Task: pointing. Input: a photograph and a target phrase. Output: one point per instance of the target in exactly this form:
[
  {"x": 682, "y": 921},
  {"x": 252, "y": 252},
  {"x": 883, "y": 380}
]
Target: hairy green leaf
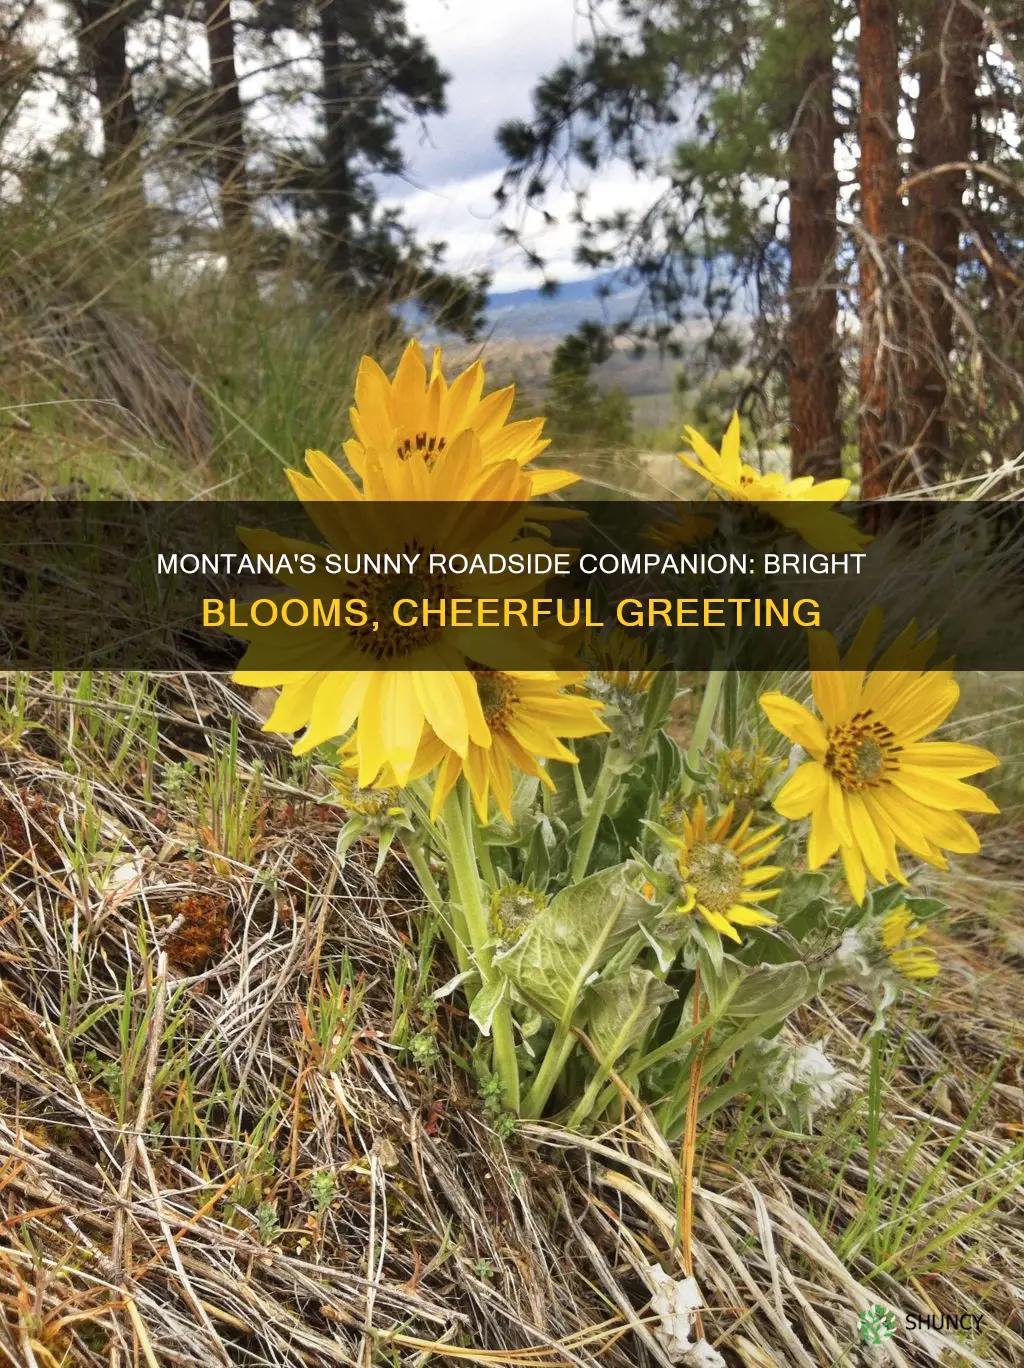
[
  {"x": 923, "y": 908},
  {"x": 797, "y": 892},
  {"x": 770, "y": 989},
  {"x": 487, "y": 1002},
  {"x": 572, "y": 939},
  {"x": 621, "y": 1010}
]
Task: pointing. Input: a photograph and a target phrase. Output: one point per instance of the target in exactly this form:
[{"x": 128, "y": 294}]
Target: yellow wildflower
[
  {"x": 723, "y": 875},
  {"x": 871, "y": 782}
]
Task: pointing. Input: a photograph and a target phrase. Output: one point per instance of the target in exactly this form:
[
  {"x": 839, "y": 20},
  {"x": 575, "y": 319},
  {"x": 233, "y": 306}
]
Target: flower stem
[
  {"x": 684, "y": 1211},
  {"x": 544, "y": 1080},
  {"x": 483, "y": 854},
  {"x": 731, "y": 708},
  {"x": 591, "y": 822},
  {"x": 450, "y": 921},
  {"x": 459, "y": 822},
  {"x": 705, "y": 720}
]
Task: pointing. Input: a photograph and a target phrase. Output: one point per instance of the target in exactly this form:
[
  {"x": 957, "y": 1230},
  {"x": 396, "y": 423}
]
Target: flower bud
[
  {"x": 743, "y": 774},
  {"x": 377, "y": 806},
  {"x": 513, "y": 908}
]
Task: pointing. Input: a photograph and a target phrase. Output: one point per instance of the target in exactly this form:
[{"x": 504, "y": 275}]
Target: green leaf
[
  {"x": 502, "y": 832},
  {"x": 446, "y": 989},
  {"x": 718, "y": 981},
  {"x": 665, "y": 937},
  {"x": 771, "y": 989},
  {"x": 668, "y": 764},
  {"x": 813, "y": 916},
  {"x": 622, "y": 760},
  {"x": 609, "y": 846},
  {"x": 882, "y": 900},
  {"x": 487, "y": 1002},
  {"x": 347, "y": 836},
  {"x": 923, "y": 908},
  {"x": 709, "y": 944},
  {"x": 386, "y": 840},
  {"x": 764, "y": 945},
  {"x": 698, "y": 776},
  {"x": 664, "y": 834},
  {"x": 565, "y": 801},
  {"x": 660, "y": 698},
  {"x": 627, "y": 954},
  {"x": 622, "y": 1009},
  {"x": 797, "y": 892},
  {"x": 537, "y": 858},
  {"x": 572, "y": 939}
]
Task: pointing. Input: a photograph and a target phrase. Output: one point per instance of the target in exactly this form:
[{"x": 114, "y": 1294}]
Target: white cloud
[
  {"x": 462, "y": 213},
  {"x": 495, "y": 54}
]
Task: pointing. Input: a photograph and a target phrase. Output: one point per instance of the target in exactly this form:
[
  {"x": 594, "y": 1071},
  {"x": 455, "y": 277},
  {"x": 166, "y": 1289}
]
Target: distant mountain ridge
[
  {"x": 533, "y": 314},
  {"x": 525, "y": 315},
  {"x": 567, "y": 290}
]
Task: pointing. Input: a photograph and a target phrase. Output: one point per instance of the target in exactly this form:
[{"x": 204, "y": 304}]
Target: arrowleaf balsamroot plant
[{"x": 623, "y": 917}]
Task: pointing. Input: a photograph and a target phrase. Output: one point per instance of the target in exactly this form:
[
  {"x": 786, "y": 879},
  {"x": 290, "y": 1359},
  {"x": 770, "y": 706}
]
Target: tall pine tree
[
  {"x": 374, "y": 75},
  {"x": 752, "y": 103},
  {"x": 793, "y": 192},
  {"x": 879, "y": 211},
  {"x": 226, "y": 119},
  {"x": 815, "y": 432},
  {"x": 947, "y": 69}
]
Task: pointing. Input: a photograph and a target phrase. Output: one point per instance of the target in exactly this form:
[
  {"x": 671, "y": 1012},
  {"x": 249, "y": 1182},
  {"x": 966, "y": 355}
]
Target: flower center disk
[
  {"x": 421, "y": 444},
  {"x": 861, "y": 752},
  {"x": 381, "y": 594},
  {"x": 716, "y": 875},
  {"x": 367, "y": 802},
  {"x": 497, "y": 697}
]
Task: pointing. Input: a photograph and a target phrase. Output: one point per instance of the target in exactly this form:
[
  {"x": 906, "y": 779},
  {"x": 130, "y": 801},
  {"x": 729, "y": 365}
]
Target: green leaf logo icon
[{"x": 877, "y": 1324}]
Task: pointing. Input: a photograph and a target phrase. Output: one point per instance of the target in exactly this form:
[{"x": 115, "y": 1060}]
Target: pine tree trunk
[
  {"x": 337, "y": 190},
  {"x": 103, "y": 39},
  {"x": 103, "y": 52},
  {"x": 947, "y": 72},
  {"x": 879, "y": 180},
  {"x": 814, "y": 378},
  {"x": 225, "y": 117}
]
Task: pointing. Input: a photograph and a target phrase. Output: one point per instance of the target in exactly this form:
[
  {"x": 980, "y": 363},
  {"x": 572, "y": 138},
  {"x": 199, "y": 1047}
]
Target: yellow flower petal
[
  {"x": 934, "y": 789},
  {"x": 954, "y": 758},
  {"x": 856, "y": 876},
  {"x": 408, "y": 430},
  {"x": 803, "y": 791},
  {"x": 332, "y": 479},
  {"x": 823, "y": 841},
  {"x": 719, "y": 922},
  {"x": 753, "y": 877},
  {"x": 294, "y": 705},
  {"x": 442, "y": 702},
  {"x": 748, "y": 916},
  {"x": 866, "y": 836},
  {"x": 796, "y": 722}
]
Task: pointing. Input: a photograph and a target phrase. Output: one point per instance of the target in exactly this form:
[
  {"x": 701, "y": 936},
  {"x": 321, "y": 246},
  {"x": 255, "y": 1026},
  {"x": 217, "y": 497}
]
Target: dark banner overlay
[{"x": 609, "y": 585}]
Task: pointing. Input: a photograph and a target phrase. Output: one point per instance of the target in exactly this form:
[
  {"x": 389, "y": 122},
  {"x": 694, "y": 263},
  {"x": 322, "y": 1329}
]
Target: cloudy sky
[{"x": 494, "y": 55}]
